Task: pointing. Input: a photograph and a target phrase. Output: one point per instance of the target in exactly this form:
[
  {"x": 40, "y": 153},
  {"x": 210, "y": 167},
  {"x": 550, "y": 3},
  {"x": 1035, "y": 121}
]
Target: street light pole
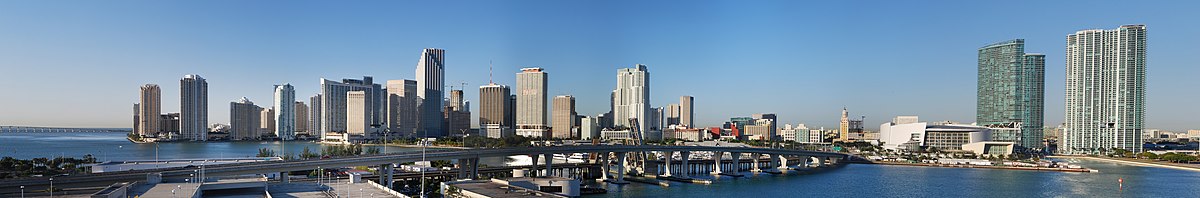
[
  {"x": 424, "y": 143},
  {"x": 52, "y": 187},
  {"x": 156, "y": 162},
  {"x": 22, "y": 191}
]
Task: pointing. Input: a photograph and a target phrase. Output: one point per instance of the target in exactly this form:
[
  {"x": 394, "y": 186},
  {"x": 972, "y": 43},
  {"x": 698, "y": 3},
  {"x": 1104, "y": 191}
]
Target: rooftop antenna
[{"x": 490, "y": 72}]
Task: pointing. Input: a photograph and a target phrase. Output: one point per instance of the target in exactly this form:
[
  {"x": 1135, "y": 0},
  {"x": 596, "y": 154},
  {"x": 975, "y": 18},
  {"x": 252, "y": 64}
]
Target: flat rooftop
[
  {"x": 166, "y": 190},
  {"x": 498, "y": 190}
]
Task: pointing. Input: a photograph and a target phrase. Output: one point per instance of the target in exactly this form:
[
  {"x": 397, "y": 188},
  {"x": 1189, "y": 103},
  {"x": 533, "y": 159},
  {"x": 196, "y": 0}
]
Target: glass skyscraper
[
  {"x": 1105, "y": 90},
  {"x": 1011, "y": 92}
]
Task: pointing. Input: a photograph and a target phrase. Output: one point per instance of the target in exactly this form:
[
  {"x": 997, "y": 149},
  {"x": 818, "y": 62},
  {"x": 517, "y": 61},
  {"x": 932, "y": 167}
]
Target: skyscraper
[
  {"x": 456, "y": 100},
  {"x": 357, "y": 113},
  {"x": 266, "y": 122},
  {"x": 494, "y": 105},
  {"x": 531, "y": 103},
  {"x": 564, "y": 117},
  {"x": 1105, "y": 90},
  {"x": 301, "y": 117},
  {"x": 844, "y": 126},
  {"x": 285, "y": 112},
  {"x": 150, "y": 108},
  {"x": 457, "y": 122},
  {"x": 314, "y": 116},
  {"x": 1011, "y": 91},
  {"x": 671, "y": 115},
  {"x": 137, "y": 120},
  {"x": 193, "y": 108},
  {"x": 430, "y": 81},
  {"x": 244, "y": 119},
  {"x": 631, "y": 97},
  {"x": 402, "y": 106},
  {"x": 333, "y": 103},
  {"x": 687, "y": 111}
]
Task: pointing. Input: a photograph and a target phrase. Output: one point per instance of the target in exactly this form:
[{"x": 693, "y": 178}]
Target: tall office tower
[
  {"x": 687, "y": 111},
  {"x": 843, "y": 134},
  {"x": 656, "y": 119},
  {"x": 457, "y": 117},
  {"x": 402, "y": 107},
  {"x": 1011, "y": 90},
  {"x": 314, "y": 117},
  {"x": 150, "y": 108},
  {"x": 430, "y": 80},
  {"x": 266, "y": 122},
  {"x": 285, "y": 112},
  {"x": 193, "y": 108},
  {"x": 589, "y": 128},
  {"x": 494, "y": 105},
  {"x": 301, "y": 118},
  {"x": 564, "y": 117},
  {"x": 137, "y": 107},
  {"x": 456, "y": 100},
  {"x": 512, "y": 111},
  {"x": 333, "y": 103},
  {"x": 168, "y": 123},
  {"x": 457, "y": 123},
  {"x": 1105, "y": 90},
  {"x": 606, "y": 120},
  {"x": 357, "y": 113},
  {"x": 531, "y": 103},
  {"x": 671, "y": 115},
  {"x": 244, "y": 120},
  {"x": 631, "y": 98}
]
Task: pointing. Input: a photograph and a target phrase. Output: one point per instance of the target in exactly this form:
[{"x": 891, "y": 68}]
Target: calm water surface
[
  {"x": 865, "y": 180},
  {"x": 855, "y": 180}
]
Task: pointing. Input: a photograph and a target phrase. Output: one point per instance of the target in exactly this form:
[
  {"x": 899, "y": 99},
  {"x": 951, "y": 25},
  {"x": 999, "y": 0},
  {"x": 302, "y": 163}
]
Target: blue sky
[{"x": 79, "y": 63}]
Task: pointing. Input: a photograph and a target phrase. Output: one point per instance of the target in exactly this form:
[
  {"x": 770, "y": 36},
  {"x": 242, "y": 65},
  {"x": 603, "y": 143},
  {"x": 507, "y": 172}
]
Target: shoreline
[
  {"x": 1083, "y": 170},
  {"x": 1134, "y": 163},
  {"x": 400, "y": 145}
]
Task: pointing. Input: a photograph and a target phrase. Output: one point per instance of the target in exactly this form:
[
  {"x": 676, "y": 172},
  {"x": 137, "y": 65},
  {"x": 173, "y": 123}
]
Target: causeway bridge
[{"x": 619, "y": 155}]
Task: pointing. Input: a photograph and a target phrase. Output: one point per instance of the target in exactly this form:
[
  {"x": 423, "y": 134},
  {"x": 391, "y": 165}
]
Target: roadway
[{"x": 233, "y": 169}]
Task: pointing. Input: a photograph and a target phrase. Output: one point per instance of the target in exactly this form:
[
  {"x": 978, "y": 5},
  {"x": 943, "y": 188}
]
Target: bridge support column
[
  {"x": 783, "y": 162},
  {"x": 474, "y": 168},
  {"x": 549, "y": 164},
  {"x": 284, "y": 177},
  {"x": 533, "y": 168},
  {"x": 755, "y": 165},
  {"x": 621, "y": 167},
  {"x": 685, "y": 155},
  {"x": 717, "y": 166},
  {"x": 820, "y": 162},
  {"x": 803, "y": 163},
  {"x": 604, "y": 166},
  {"x": 737, "y": 167},
  {"x": 391, "y": 172},
  {"x": 773, "y": 161},
  {"x": 667, "y": 163}
]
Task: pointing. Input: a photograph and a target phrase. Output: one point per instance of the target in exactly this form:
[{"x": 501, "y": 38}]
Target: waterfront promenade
[
  {"x": 1137, "y": 162},
  {"x": 1083, "y": 170}
]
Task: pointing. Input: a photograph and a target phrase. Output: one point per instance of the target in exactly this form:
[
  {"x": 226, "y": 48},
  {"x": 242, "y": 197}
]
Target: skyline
[{"x": 799, "y": 83}]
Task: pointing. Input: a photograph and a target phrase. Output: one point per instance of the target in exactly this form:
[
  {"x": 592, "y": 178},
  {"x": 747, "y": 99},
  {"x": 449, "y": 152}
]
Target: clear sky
[{"x": 79, "y": 63}]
